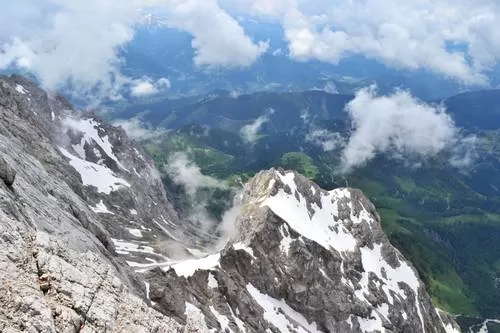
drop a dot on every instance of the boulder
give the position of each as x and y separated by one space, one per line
7 173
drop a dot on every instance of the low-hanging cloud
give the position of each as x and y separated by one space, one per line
186 173
397 125
146 87
138 130
183 171
465 152
250 132
329 141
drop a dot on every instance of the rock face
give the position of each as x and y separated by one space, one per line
81 208
301 260
58 266
7 174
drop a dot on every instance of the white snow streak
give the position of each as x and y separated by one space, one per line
89 129
21 90
281 319
188 267
135 232
124 247
94 174
101 208
319 227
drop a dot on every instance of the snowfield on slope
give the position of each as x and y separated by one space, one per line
95 175
89 130
321 227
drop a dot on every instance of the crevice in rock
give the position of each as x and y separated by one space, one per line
92 298
38 268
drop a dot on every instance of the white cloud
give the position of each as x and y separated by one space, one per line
329 88
143 88
67 41
78 42
327 140
218 39
146 87
465 153
413 34
234 94
278 52
398 125
138 130
250 132
263 8
186 173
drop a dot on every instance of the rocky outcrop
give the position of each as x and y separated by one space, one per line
59 271
7 174
302 260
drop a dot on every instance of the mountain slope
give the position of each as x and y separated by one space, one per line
59 266
300 257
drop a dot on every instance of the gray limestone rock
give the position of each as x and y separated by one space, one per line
7 173
58 271
277 272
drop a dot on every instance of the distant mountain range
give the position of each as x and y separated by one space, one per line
158 51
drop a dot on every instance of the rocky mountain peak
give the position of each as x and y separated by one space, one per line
301 257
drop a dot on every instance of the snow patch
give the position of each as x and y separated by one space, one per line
223 321
286 241
147 289
124 247
372 324
280 314
321 227
188 267
195 319
373 261
212 282
101 208
135 232
246 248
21 90
196 252
94 174
88 127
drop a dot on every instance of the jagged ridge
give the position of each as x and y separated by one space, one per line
305 258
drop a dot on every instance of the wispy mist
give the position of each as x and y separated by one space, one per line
138 130
200 191
250 132
329 141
